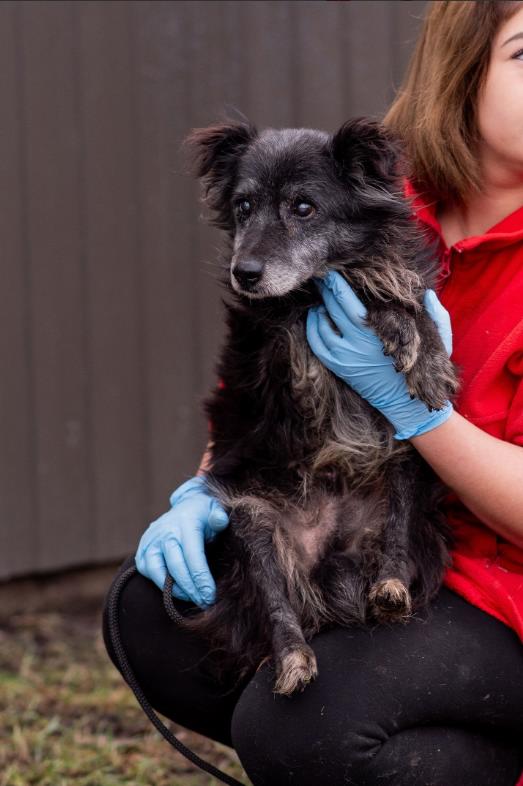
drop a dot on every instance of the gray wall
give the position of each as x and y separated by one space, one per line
111 317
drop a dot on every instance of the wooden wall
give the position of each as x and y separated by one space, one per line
111 318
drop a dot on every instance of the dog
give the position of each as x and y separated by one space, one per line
332 521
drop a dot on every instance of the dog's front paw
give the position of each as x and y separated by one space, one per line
433 380
390 601
399 334
295 668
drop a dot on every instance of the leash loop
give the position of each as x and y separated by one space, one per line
114 634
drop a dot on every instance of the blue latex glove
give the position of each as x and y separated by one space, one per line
175 542
357 355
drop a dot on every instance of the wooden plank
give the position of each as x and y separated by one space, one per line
18 506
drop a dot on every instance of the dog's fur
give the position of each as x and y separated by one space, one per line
332 520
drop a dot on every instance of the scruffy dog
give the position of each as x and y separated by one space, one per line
332 520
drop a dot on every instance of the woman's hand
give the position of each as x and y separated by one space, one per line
175 542
357 356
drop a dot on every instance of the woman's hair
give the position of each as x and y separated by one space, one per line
435 111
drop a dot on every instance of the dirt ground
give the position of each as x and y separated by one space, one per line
67 716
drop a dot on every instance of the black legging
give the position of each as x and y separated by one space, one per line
435 702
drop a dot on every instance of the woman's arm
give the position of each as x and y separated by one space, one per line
485 472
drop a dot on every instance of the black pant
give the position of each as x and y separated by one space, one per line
435 702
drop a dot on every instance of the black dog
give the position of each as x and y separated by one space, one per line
332 520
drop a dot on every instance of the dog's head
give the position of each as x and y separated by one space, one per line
296 201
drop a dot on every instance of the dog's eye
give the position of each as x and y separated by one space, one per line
303 209
243 207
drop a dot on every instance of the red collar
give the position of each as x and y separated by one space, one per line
505 232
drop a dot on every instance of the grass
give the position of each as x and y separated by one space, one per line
67 716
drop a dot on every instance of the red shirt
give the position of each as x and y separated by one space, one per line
481 286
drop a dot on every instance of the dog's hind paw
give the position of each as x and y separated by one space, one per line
295 668
390 601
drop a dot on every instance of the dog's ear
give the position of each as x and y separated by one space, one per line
366 152
215 153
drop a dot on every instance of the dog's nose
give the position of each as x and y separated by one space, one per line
248 272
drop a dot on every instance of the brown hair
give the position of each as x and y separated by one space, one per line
434 112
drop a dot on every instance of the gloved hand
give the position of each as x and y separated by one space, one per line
175 542
357 355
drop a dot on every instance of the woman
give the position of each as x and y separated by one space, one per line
440 700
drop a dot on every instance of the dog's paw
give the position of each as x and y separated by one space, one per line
390 601
295 668
399 335
432 380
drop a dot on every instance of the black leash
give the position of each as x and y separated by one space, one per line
114 633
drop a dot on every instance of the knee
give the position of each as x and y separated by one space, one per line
284 740
118 608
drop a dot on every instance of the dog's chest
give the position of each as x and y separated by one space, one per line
346 438
308 378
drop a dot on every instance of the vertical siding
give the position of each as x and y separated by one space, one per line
53 251
112 315
18 505
115 273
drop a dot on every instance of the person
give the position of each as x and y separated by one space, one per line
437 701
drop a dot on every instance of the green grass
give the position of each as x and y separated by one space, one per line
67 716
